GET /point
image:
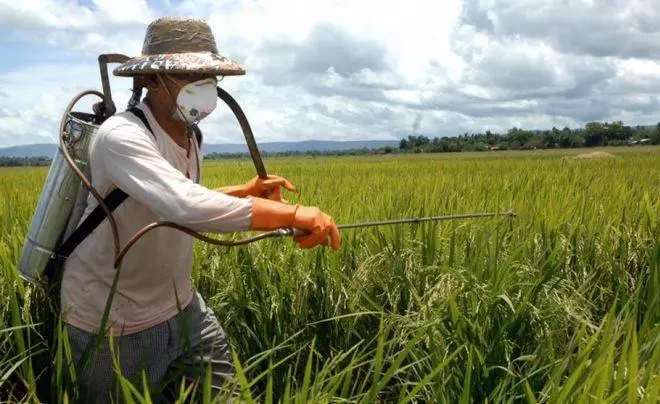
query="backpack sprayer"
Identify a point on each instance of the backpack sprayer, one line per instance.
(67, 187)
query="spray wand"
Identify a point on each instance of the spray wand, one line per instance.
(256, 158)
(261, 171)
(284, 232)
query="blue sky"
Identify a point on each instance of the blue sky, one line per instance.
(354, 69)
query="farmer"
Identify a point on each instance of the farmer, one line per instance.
(160, 325)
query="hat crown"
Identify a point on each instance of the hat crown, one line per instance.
(176, 45)
(178, 35)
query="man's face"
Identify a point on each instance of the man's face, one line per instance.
(174, 83)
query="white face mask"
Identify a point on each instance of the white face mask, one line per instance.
(196, 101)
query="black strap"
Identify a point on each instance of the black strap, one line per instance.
(112, 201)
(138, 112)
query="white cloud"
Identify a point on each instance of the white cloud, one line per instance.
(38, 95)
(345, 69)
(38, 14)
(44, 14)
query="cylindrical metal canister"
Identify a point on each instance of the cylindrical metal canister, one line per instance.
(62, 188)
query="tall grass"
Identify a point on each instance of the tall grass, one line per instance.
(557, 305)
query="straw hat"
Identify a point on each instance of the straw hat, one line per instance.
(179, 45)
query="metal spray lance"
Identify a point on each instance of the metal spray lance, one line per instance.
(261, 172)
(256, 159)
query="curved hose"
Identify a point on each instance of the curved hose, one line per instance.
(78, 172)
(119, 254)
(261, 171)
(223, 243)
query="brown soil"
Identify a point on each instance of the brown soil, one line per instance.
(594, 155)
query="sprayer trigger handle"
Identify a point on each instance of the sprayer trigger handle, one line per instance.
(290, 231)
(299, 232)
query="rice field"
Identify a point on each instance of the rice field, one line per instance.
(559, 304)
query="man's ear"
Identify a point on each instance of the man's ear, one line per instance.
(150, 82)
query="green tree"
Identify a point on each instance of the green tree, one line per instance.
(655, 139)
(617, 131)
(595, 134)
(551, 138)
(517, 138)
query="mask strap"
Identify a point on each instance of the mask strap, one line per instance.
(190, 125)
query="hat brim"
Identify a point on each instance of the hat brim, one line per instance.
(180, 63)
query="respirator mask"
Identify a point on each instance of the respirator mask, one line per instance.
(196, 100)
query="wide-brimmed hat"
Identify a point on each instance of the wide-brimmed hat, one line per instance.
(179, 45)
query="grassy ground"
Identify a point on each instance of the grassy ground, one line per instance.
(557, 305)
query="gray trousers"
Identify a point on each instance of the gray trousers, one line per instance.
(187, 346)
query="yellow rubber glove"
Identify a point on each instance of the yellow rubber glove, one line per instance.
(257, 187)
(271, 215)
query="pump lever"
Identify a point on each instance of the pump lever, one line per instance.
(109, 107)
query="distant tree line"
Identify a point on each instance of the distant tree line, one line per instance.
(312, 153)
(24, 161)
(592, 135)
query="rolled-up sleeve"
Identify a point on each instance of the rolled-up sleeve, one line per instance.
(134, 164)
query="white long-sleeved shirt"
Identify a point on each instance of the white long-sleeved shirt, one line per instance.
(153, 172)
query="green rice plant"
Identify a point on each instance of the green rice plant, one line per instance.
(559, 304)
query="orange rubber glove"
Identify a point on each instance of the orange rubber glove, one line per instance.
(257, 186)
(271, 215)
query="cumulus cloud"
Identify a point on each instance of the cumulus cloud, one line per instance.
(343, 70)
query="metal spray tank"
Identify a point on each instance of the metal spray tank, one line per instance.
(64, 196)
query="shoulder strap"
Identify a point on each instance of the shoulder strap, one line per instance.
(138, 112)
(112, 201)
